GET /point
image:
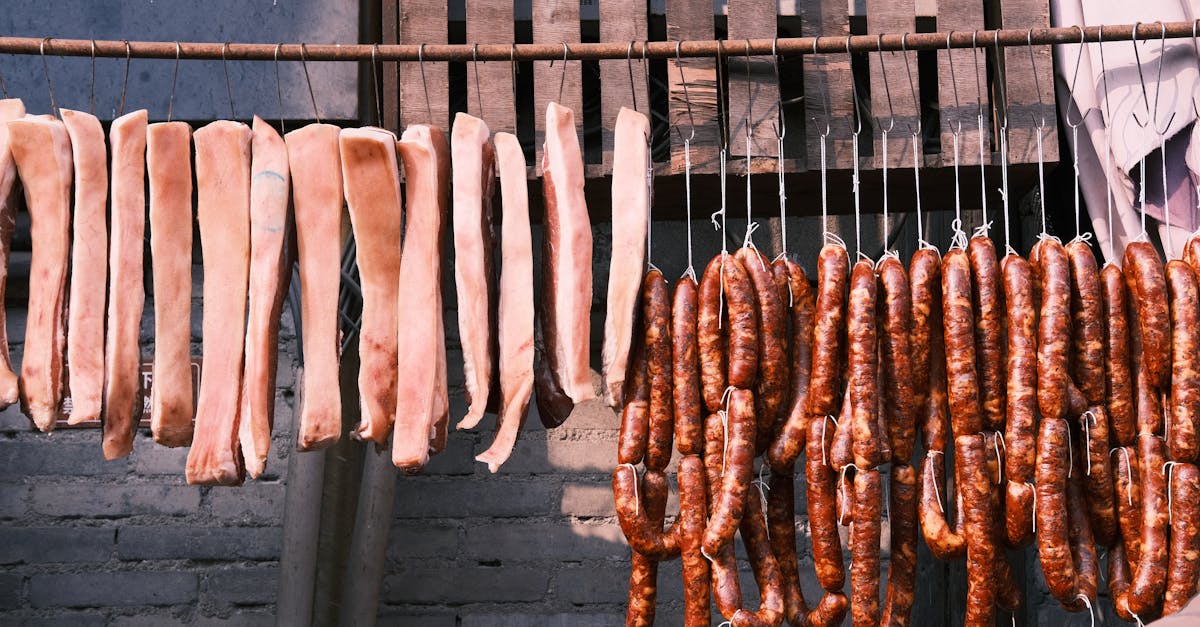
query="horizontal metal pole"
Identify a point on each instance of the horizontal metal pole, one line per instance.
(605, 50)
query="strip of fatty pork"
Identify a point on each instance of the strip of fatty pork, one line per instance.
(10, 109)
(422, 383)
(122, 347)
(563, 377)
(270, 272)
(41, 149)
(630, 204)
(474, 176)
(89, 266)
(316, 167)
(515, 327)
(169, 166)
(372, 186)
(223, 210)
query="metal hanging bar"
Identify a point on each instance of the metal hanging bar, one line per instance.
(605, 50)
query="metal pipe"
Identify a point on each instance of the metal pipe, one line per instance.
(603, 50)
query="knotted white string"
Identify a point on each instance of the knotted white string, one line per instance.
(637, 504)
(1169, 470)
(1087, 437)
(1034, 501)
(936, 488)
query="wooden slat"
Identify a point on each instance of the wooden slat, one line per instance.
(621, 20)
(556, 21)
(827, 86)
(491, 22)
(970, 69)
(1022, 92)
(424, 21)
(693, 19)
(889, 75)
(753, 92)
(391, 76)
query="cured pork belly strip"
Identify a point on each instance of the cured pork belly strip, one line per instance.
(316, 165)
(41, 149)
(630, 206)
(122, 347)
(562, 375)
(372, 186)
(223, 210)
(10, 109)
(270, 271)
(515, 327)
(421, 393)
(169, 166)
(89, 266)
(474, 177)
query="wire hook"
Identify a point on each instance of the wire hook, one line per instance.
(780, 125)
(424, 84)
(824, 104)
(228, 84)
(687, 101)
(1036, 83)
(375, 84)
(92, 82)
(562, 82)
(475, 67)
(953, 80)
(912, 86)
(175, 76)
(125, 81)
(629, 64)
(854, 94)
(512, 66)
(887, 92)
(1141, 77)
(46, 71)
(279, 89)
(1071, 91)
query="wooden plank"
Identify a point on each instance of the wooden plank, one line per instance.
(556, 21)
(1022, 91)
(390, 69)
(753, 92)
(424, 100)
(969, 78)
(491, 22)
(889, 78)
(827, 83)
(693, 19)
(621, 20)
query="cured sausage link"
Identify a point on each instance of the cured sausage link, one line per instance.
(1053, 532)
(789, 443)
(1054, 330)
(1021, 425)
(710, 339)
(1147, 283)
(829, 331)
(822, 507)
(1118, 378)
(902, 521)
(1128, 492)
(1185, 537)
(863, 368)
(743, 331)
(974, 485)
(656, 324)
(766, 570)
(1150, 572)
(771, 385)
(1083, 547)
(988, 302)
(943, 541)
(865, 533)
(1087, 316)
(692, 514)
(1118, 579)
(726, 589)
(730, 499)
(1097, 476)
(899, 389)
(781, 521)
(962, 381)
(1018, 511)
(643, 577)
(1182, 442)
(1149, 406)
(634, 510)
(685, 368)
(1008, 596)
(925, 286)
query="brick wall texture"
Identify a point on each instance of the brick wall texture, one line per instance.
(128, 543)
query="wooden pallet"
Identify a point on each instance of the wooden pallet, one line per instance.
(748, 96)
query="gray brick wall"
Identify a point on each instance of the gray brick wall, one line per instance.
(128, 543)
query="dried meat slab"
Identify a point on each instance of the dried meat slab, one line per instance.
(515, 313)
(89, 266)
(316, 167)
(169, 167)
(122, 348)
(223, 210)
(422, 405)
(10, 109)
(270, 273)
(372, 186)
(41, 149)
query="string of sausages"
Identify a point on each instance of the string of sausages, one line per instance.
(1063, 394)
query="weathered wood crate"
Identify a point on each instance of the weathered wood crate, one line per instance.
(721, 98)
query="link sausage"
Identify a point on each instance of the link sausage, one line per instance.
(1087, 317)
(865, 534)
(726, 589)
(926, 297)
(685, 368)
(1182, 443)
(902, 522)
(1121, 418)
(988, 305)
(781, 520)
(1146, 280)
(896, 363)
(730, 498)
(789, 443)
(710, 339)
(656, 326)
(1054, 330)
(766, 570)
(770, 390)
(1053, 533)
(1150, 570)
(634, 513)
(863, 368)
(829, 331)
(1097, 476)
(822, 514)
(1185, 538)
(692, 514)
(962, 383)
